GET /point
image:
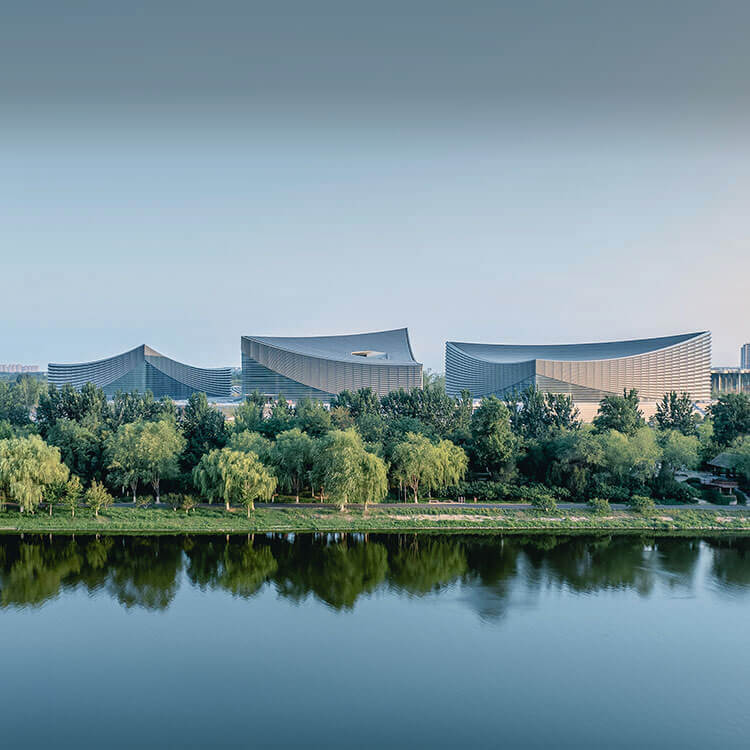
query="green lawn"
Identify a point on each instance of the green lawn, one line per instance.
(396, 519)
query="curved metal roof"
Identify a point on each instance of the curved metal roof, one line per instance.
(388, 347)
(512, 353)
(140, 352)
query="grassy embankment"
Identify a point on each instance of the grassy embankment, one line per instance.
(385, 519)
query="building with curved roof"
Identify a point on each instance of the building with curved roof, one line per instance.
(144, 369)
(319, 367)
(587, 372)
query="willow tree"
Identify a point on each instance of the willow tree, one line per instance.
(420, 464)
(246, 480)
(451, 463)
(291, 457)
(29, 468)
(414, 463)
(234, 477)
(374, 480)
(207, 476)
(345, 470)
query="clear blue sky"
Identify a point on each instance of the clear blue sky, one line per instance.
(181, 174)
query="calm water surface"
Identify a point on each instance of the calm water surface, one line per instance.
(389, 641)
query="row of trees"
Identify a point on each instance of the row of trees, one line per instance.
(417, 443)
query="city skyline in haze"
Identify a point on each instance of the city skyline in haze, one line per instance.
(499, 172)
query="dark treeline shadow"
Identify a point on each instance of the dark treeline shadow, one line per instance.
(338, 570)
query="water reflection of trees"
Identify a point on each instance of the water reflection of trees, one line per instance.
(339, 570)
(730, 565)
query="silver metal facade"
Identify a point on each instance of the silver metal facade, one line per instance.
(587, 372)
(144, 369)
(321, 366)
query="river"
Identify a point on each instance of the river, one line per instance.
(386, 641)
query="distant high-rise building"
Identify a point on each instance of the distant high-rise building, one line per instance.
(745, 357)
(19, 368)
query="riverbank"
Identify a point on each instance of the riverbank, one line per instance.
(317, 518)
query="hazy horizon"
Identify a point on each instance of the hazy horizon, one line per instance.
(183, 174)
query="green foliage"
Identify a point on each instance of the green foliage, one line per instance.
(672, 491)
(81, 446)
(252, 442)
(363, 401)
(87, 405)
(345, 471)
(620, 413)
(188, 503)
(134, 406)
(633, 456)
(248, 416)
(203, 428)
(291, 457)
(97, 498)
(419, 463)
(599, 505)
(741, 451)
(731, 417)
(70, 494)
(543, 503)
(280, 419)
(493, 442)
(679, 451)
(28, 469)
(234, 477)
(312, 418)
(529, 415)
(715, 496)
(643, 505)
(675, 412)
(180, 501)
(18, 399)
(144, 452)
(615, 493)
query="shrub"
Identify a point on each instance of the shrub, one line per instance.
(599, 505)
(543, 503)
(188, 503)
(143, 501)
(612, 492)
(641, 504)
(714, 496)
(173, 500)
(672, 491)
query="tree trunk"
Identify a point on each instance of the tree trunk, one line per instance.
(155, 485)
(248, 510)
(416, 495)
(227, 505)
(134, 487)
(50, 508)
